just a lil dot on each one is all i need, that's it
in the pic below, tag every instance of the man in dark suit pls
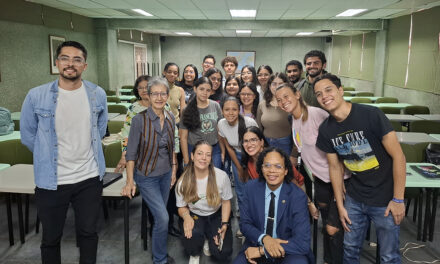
(274, 215)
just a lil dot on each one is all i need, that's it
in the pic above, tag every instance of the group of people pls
(180, 136)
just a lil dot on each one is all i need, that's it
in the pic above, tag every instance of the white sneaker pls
(206, 249)
(194, 259)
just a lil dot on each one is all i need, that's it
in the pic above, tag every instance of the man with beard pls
(294, 70)
(315, 63)
(62, 123)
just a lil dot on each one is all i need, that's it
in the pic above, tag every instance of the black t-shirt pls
(358, 142)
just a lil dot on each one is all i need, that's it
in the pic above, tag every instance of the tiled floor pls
(111, 249)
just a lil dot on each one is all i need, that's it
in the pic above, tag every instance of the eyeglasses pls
(246, 73)
(189, 72)
(208, 63)
(142, 88)
(213, 79)
(163, 94)
(274, 84)
(75, 61)
(268, 166)
(263, 75)
(248, 141)
(246, 94)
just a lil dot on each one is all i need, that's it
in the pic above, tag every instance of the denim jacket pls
(37, 129)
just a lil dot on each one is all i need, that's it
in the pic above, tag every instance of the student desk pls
(4, 166)
(415, 180)
(436, 136)
(400, 106)
(402, 118)
(124, 104)
(354, 93)
(372, 98)
(13, 135)
(433, 117)
(112, 115)
(119, 117)
(19, 179)
(15, 115)
(126, 98)
(415, 137)
(125, 91)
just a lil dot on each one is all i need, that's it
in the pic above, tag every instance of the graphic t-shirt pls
(208, 131)
(358, 142)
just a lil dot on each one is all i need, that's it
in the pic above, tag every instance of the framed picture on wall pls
(54, 42)
(243, 58)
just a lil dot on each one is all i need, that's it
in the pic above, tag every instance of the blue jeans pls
(284, 143)
(155, 191)
(238, 184)
(387, 232)
(216, 155)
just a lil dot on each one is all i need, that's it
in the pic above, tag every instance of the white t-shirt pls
(201, 207)
(76, 161)
(231, 132)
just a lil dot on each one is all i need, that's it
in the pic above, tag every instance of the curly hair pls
(287, 164)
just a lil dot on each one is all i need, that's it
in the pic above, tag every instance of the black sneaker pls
(170, 260)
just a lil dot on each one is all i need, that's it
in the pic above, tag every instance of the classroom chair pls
(365, 94)
(416, 110)
(127, 87)
(349, 89)
(110, 93)
(387, 100)
(425, 126)
(347, 94)
(115, 127)
(121, 109)
(361, 100)
(132, 100)
(397, 126)
(114, 99)
(390, 110)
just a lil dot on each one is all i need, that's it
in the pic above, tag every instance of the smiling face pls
(202, 156)
(252, 144)
(314, 66)
(216, 79)
(142, 90)
(246, 75)
(328, 95)
(273, 170)
(247, 97)
(275, 84)
(232, 88)
(263, 76)
(171, 73)
(203, 91)
(71, 63)
(229, 69)
(287, 99)
(158, 97)
(230, 111)
(189, 74)
(207, 64)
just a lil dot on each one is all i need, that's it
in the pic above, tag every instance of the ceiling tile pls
(243, 4)
(274, 33)
(272, 14)
(190, 14)
(213, 33)
(228, 33)
(259, 33)
(382, 13)
(83, 3)
(217, 14)
(117, 4)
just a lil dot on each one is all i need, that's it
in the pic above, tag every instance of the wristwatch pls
(225, 223)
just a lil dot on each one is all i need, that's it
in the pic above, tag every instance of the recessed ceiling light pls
(351, 12)
(243, 12)
(243, 31)
(304, 33)
(183, 33)
(142, 12)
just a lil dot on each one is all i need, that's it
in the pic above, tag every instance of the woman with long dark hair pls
(189, 76)
(204, 196)
(216, 76)
(232, 86)
(199, 122)
(176, 99)
(248, 74)
(249, 100)
(263, 74)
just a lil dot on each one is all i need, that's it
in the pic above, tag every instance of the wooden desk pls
(415, 137)
(434, 117)
(19, 179)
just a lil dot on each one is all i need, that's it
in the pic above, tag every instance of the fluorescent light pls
(243, 31)
(243, 12)
(351, 12)
(304, 33)
(142, 12)
(183, 33)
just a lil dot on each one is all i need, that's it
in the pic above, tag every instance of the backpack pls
(433, 153)
(6, 123)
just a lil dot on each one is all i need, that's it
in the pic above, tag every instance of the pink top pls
(307, 132)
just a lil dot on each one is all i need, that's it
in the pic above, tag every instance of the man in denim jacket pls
(62, 123)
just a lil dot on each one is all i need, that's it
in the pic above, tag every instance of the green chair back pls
(132, 100)
(121, 109)
(115, 127)
(16, 125)
(361, 100)
(114, 99)
(425, 126)
(416, 110)
(397, 126)
(349, 89)
(365, 94)
(13, 152)
(387, 100)
(127, 87)
(112, 154)
(110, 93)
(347, 94)
(390, 110)
(414, 152)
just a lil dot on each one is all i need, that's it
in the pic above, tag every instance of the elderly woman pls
(151, 162)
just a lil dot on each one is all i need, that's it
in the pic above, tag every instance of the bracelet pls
(398, 200)
(225, 223)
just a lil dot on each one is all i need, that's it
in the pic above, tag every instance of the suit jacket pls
(292, 217)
